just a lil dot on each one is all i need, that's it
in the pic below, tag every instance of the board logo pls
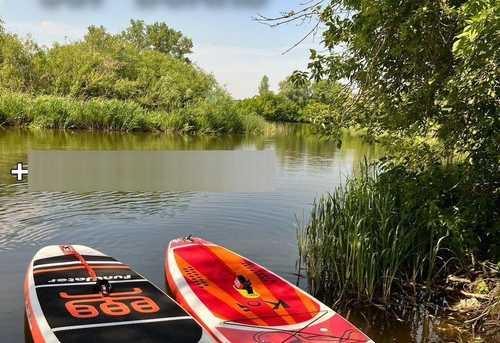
(91, 279)
(84, 306)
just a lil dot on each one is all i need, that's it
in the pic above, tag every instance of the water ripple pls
(30, 218)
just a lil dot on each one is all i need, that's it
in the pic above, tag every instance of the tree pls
(469, 103)
(407, 63)
(97, 36)
(264, 86)
(158, 37)
(16, 62)
(424, 76)
(296, 92)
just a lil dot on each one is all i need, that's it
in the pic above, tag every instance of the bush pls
(324, 117)
(217, 115)
(253, 123)
(49, 112)
(271, 107)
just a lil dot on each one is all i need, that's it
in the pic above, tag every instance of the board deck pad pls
(238, 300)
(64, 304)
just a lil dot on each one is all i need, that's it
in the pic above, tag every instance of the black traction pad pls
(134, 311)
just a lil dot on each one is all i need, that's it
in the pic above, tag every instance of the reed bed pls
(368, 241)
(51, 112)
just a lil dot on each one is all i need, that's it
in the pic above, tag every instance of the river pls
(136, 227)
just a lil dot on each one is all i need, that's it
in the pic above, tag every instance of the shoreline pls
(53, 112)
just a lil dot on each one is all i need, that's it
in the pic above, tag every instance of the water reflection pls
(294, 145)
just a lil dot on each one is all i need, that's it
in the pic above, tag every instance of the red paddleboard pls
(237, 300)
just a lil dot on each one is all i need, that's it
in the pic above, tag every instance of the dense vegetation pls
(422, 77)
(139, 79)
(302, 101)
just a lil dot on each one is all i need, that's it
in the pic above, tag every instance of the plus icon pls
(19, 172)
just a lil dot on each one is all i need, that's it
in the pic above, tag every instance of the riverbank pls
(215, 116)
(396, 239)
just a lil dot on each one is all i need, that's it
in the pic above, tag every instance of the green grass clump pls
(253, 123)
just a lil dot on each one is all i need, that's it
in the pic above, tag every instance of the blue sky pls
(227, 42)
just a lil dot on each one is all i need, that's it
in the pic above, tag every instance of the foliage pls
(107, 66)
(397, 54)
(425, 68)
(297, 101)
(264, 86)
(331, 93)
(298, 93)
(273, 107)
(325, 109)
(469, 119)
(158, 37)
(324, 117)
(423, 76)
(66, 113)
(138, 79)
(389, 228)
(212, 115)
(17, 69)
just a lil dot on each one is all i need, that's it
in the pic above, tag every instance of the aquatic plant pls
(17, 109)
(390, 230)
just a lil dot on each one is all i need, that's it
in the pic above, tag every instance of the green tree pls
(97, 37)
(158, 37)
(423, 78)
(299, 93)
(468, 117)
(264, 86)
(107, 82)
(407, 64)
(17, 71)
(398, 55)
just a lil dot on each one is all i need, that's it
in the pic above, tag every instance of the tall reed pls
(365, 242)
(18, 109)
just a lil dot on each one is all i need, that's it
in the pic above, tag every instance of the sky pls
(227, 41)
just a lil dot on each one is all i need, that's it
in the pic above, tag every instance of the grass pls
(369, 240)
(22, 110)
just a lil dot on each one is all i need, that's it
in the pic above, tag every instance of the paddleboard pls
(77, 294)
(237, 300)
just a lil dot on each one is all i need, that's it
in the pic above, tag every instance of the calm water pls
(135, 227)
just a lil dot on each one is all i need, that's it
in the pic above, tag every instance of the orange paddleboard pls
(237, 300)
